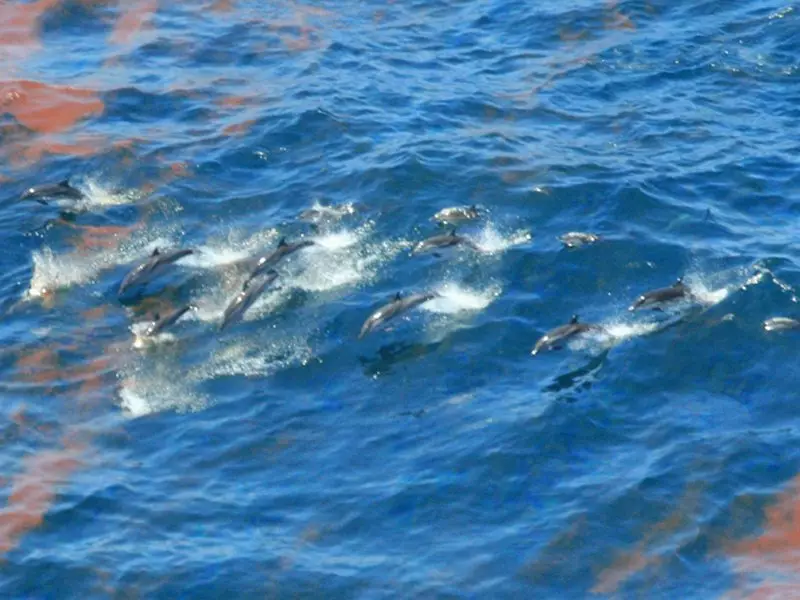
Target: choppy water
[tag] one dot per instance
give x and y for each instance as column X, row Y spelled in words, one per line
column 283, row 457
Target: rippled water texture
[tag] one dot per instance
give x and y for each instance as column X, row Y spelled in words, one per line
column 436, row 457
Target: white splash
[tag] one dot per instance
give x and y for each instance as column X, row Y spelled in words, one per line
column 323, row 213
column 454, row 298
column 492, row 241
column 233, row 249
column 705, row 294
column 341, row 259
column 150, row 392
column 141, row 340
column 52, row 271
column 99, row 195
column 250, row 358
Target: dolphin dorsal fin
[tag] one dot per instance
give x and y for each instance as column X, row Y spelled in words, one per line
column 453, row 231
column 156, row 317
column 282, row 242
column 678, row 281
column 397, row 296
column 64, row 182
column 573, row 320
column 156, row 252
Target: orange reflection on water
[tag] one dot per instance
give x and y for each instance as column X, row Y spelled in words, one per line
column 768, row 564
column 38, row 367
column 19, row 27
column 222, row 5
column 48, row 108
column 136, row 16
column 642, row 556
column 90, row 238
column 23, row 154
column 239, row 128
column 34, row 489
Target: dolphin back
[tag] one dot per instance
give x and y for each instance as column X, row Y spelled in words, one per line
column 168, row 320
column 245, row 299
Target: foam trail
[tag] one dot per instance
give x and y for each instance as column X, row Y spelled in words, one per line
column 341, row 259
column 98, row 195
column 704, row 294
column 454, row 298
column 52, row 271
column 250, row 358
column 491, row 241
column 612, row 334
column 145, row 393
column 232, row 250
column 140, row 340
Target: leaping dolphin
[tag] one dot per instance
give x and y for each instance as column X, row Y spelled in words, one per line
column 154, row 264
column 456, row 214
column 62, row 189
column 161, row 323
column 245, row 299
column 654, row 299
column 553, row 339
column 397, row 306
column 268, row 261
column 575, row 239
column 781, row 324
column 446, row 240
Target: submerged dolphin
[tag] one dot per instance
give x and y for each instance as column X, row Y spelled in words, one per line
column 161, row 323
column 781, row 324
column 62, row 189
column 397, row 306
column 553, row 339
column 283, row 250
column 456, row 214
column 244, row 299
column 574, row 239
column 652, row 299
column 325, row 214
column 446, row 240
column 154, row 264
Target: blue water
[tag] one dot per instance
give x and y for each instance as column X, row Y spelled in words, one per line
column 285, row 458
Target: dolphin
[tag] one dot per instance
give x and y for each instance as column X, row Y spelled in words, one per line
column 244, row 299
column 397, row 306
column 155, row 263
column 652, row 299
column 446, row 240
column 574, row 239
column 326, row 214
column 160, row 323
column 62, row 189
column 780, row 324
column 456, row 214
column 284, row 249
column 553, row 339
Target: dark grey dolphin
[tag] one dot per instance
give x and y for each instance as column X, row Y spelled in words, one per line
column 244, row 299
column 446, row 240
column 397, row 306
column 283, row 250
column 154, row 264
column 677, row 291
column 62, row 190
column 161, row 323
column 553, row 339
column 781, row 324
column 456, row 214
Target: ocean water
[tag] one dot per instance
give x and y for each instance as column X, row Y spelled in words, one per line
column 283, row 457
